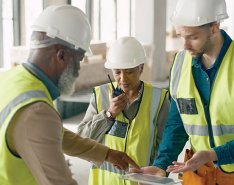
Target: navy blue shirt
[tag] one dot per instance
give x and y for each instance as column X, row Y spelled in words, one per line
column 175, row 136
column 52, row 88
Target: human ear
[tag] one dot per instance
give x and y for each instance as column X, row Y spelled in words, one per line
column 61, row 55
column 141, row 68
column 215, row 28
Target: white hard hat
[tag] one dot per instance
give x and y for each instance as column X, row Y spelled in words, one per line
column 125, row 53
column 67, row 23
column 198, row 12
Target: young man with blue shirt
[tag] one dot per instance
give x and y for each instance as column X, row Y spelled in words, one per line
column 201, row 87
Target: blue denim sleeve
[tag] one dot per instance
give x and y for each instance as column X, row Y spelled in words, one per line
column 173, row 141
column 225, row 153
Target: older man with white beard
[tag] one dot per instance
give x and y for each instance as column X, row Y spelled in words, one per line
column 32, row 138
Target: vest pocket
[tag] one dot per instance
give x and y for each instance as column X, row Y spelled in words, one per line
column 118, row 129
column 187, row 105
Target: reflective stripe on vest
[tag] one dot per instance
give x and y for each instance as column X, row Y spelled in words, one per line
column 190, row 106
column 175, row 76
column 18, row 100
column 121, row 137
column 218, row 130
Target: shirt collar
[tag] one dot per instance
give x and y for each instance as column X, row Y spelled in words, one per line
column 52, row 88
column 226, row 43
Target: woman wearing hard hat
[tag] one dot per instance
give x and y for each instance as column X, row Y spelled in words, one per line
column 131, row 117
column 202, row 90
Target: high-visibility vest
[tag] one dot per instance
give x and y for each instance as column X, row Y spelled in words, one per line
column 20, row 89
column 196, row 122
column 137, row 138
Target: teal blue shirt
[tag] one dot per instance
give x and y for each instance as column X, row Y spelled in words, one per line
column 175, row 136
column 52, row 88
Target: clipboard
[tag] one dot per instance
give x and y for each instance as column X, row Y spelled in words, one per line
column 149, row 179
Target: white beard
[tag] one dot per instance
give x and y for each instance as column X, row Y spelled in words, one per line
column 66, row 83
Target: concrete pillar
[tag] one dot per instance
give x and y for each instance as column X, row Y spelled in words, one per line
column 52, row 2
column 159, row 41
column 150, row 29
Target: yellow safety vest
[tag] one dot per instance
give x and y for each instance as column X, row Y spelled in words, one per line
column 20, row 89
column 190, row 106
column 137, row 138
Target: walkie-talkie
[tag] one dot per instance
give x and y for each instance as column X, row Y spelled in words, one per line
column 116, row 91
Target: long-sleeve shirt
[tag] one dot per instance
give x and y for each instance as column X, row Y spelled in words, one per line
column 175, row 134
column 36, row 135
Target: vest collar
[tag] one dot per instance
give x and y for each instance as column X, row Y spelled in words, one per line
column 53, row 90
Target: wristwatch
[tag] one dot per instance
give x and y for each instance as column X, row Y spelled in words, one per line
column 109, row 115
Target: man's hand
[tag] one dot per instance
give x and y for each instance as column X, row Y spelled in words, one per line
column 199, row 158
column 151, row 170
column 120, row 160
